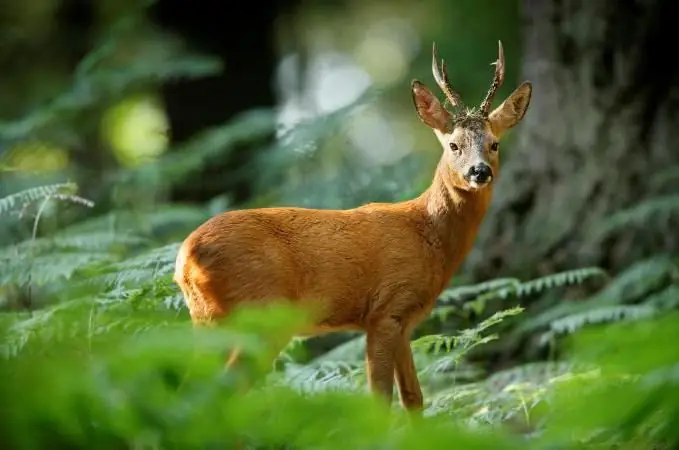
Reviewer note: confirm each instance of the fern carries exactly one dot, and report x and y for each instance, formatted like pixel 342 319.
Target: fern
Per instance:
pixel 351 351
pixel 462 293
pixel 473 337
pixel 22 199
pixel 159 262
pixel 654 208
pixel 124 371
pixel 454 348
pixel 665 177
pixel 636 282
pixel 131 312
pixel 164 221
pixel 85 242
pixel 665 299
pixel 504 396
pixel 504 288
pixel 573 322
pixel 652 305
pixel 47 268
pixel 187 160
pixel 569 277
pixel 99 78
pixel 476 297
pixel 328 376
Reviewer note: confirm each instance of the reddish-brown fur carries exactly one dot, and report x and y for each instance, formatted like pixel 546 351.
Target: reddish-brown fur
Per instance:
pixel 378 268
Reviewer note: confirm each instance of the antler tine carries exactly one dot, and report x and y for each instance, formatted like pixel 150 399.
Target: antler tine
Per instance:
pixel 497 80
pixel 441 77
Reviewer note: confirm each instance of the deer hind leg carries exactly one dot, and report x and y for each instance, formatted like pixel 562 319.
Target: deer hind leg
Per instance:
pixel 207 307
pixel 382 340
pixel 405 374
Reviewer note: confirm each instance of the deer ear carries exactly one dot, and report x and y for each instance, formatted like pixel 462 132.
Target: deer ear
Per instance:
pixel 512 110
pixel 428 107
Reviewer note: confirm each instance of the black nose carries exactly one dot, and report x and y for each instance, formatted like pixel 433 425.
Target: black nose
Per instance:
pixel 480 173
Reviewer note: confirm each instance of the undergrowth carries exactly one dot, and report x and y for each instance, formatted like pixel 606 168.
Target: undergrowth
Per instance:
pixel 110 345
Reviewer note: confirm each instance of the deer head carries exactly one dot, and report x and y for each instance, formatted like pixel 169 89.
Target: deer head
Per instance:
pixel 470 137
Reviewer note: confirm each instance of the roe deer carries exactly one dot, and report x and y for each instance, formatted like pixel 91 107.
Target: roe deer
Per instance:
pixel 378 268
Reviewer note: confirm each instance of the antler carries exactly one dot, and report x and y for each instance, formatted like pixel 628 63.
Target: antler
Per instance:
pixel 441 77
pixel 497 80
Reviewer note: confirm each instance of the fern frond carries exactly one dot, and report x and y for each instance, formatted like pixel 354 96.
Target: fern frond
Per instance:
pixel 641 213
pixel 150 271
pixel 535 373
pixel 328 376
pixel 461 293
pixel 434 343
pixel 571 323
pixel 477 295
pixel 501 397
pixel 665 177
pixel 21 199
pixel 99 77
pixel 560 279
pixel 350 351
pixel 664 300
pixel 79 321
pixel 638 280
pixel 216 142
pixel 181 218
pixel 160 260
pixel 495 319
pixel 50 267
pixel 454 348
pixel 632 284
pixel 653 305
pixel 87 242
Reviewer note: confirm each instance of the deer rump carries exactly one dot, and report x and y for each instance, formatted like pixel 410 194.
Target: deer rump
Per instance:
pixel 345 265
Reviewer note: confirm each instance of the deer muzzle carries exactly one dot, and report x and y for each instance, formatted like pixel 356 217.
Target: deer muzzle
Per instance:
pixel 479 174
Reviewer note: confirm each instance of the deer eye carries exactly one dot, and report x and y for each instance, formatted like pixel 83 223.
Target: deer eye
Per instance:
pixel 454 147
pixel 494 146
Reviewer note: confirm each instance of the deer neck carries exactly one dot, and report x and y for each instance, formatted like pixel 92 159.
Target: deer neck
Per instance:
pixel 454 215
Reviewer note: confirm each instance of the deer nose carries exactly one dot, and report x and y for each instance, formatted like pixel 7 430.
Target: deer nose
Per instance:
pixel 480 173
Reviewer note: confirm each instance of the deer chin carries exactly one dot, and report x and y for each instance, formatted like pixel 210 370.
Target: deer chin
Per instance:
pixel 477 186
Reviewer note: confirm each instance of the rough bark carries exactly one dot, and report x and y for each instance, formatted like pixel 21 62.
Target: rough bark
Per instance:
pixel 242 37
pixel 602 122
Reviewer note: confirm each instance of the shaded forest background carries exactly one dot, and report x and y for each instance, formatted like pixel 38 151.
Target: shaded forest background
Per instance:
pixel 125 124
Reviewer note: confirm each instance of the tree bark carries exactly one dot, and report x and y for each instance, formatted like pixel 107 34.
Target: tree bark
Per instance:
pixel 242 36
pixel 602 123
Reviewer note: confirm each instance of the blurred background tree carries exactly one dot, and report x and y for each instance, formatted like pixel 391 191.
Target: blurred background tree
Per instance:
pixel 244 40
pixel 599 137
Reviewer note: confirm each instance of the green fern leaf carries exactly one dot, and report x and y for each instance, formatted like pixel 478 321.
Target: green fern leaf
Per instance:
pixel 96 241
pixel 570 324
pixel 23 198
pixel 461 293
pixel 632 284
pixel 641 213
pixel 560 279
pixel 47 268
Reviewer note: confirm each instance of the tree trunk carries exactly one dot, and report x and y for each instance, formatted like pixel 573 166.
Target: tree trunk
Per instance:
pixel 243 38
pixel 601 124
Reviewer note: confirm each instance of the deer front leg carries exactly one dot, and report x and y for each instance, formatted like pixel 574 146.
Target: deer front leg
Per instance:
pixel 381 343
pixel 409 390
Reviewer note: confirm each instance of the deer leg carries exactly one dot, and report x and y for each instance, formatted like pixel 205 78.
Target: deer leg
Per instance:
pixel 405 373
pixel 382 339
pixel 234 357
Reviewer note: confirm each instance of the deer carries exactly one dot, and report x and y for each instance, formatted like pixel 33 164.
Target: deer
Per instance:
pixel 378 268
